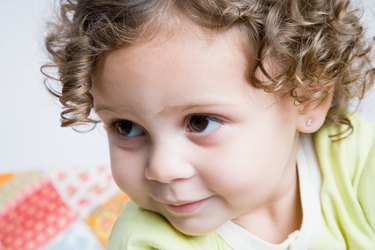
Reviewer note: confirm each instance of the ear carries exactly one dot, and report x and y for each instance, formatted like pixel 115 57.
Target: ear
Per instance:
pixel 311 117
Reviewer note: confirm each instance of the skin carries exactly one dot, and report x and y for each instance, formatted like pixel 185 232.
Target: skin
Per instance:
pixel 240 164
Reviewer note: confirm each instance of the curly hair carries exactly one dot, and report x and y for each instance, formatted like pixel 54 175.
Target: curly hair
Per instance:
pixel 319 45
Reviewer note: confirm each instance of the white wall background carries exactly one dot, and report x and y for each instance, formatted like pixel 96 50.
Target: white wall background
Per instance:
pixel 30 134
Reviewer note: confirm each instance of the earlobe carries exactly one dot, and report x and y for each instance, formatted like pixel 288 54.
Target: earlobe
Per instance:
pixel 311 117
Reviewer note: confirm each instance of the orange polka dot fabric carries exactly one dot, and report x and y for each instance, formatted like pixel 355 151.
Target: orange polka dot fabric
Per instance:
pixel 62 209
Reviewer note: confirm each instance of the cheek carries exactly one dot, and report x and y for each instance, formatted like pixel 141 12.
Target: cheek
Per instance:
pixel 248 162
pixel 234 171
pixel 127 170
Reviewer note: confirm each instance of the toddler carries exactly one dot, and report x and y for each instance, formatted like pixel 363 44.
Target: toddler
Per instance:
pixel 228 120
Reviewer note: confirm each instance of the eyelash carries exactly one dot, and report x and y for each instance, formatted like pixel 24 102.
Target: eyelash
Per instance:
pixel 114 126
pixel 206 118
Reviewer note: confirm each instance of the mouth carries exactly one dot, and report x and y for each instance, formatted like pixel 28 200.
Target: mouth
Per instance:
pixel 186 207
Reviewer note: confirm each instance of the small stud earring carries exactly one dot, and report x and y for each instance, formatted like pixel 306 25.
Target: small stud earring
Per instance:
pixel 309 122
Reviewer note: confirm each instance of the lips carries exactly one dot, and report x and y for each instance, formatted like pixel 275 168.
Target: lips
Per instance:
pixel 185 207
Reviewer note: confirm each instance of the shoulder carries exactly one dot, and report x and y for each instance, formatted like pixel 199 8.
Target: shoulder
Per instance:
pixel 138 229
pixel 363 130
pixel 352 153
pixel 347 193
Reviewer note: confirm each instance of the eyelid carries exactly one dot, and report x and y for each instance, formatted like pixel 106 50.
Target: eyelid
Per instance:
pixel 112 128
pixel 210 117
pixel 217 118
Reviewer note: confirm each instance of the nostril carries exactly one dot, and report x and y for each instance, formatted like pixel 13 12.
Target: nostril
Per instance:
pixel 167 163
pixel 169 173
pixel 148 175
pixel 159 175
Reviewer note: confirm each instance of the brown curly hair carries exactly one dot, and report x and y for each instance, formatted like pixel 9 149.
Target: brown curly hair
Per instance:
pixel 319 43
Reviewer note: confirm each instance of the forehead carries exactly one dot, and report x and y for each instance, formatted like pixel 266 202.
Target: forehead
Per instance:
pixel 186 68
pixel 185 33
pixel 184 46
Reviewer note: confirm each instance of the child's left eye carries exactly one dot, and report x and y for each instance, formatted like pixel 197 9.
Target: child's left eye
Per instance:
pixel 203 124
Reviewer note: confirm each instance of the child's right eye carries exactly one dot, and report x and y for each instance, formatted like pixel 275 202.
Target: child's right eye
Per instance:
pixel 126 128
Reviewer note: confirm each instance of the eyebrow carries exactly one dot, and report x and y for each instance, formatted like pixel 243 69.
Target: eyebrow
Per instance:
pixel 184 107
pixel 181 107
pixel 109 108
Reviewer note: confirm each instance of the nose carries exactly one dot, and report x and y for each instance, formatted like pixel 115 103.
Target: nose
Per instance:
pixel 167 164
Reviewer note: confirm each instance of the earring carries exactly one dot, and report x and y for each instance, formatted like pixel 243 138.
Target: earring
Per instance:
pixel 309 122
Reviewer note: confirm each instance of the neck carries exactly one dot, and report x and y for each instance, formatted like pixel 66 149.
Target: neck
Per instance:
pixel 278 218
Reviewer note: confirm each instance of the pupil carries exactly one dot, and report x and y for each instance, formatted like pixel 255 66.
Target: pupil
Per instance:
pixel 124 127
pixel 198 123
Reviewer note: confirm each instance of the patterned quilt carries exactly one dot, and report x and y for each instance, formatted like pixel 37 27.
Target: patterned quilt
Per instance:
pixel 60 209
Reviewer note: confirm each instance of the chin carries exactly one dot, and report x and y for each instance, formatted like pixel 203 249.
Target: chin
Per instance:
pixel 194 226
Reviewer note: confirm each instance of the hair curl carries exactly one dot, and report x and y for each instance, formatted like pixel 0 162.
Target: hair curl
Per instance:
pixel 319 44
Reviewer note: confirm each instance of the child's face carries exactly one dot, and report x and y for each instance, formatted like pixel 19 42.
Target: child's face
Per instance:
pixel 189 137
